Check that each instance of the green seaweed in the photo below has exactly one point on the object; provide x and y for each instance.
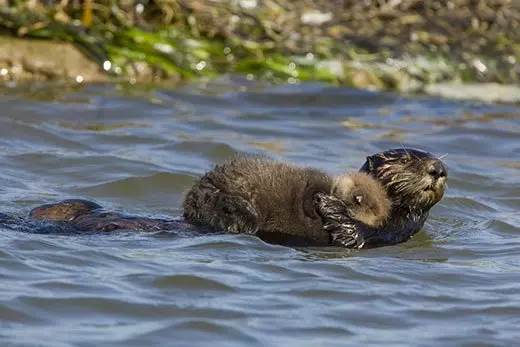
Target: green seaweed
(181, 39)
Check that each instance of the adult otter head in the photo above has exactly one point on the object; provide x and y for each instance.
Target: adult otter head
(364, 197)
(414, 180)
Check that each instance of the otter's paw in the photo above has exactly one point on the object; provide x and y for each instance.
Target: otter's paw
(344, 231)
(329, 205)
(346, 236)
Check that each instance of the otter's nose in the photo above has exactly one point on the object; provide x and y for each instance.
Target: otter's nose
(437, 170)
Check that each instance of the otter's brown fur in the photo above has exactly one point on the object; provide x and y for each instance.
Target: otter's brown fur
(275, 200)
(84, 215)
(365, 198)
(66, 210)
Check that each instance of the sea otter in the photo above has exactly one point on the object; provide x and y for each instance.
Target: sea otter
(275, 200)
(414, 182)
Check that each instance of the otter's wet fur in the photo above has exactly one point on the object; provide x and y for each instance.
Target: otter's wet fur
(275, 200)
(65, 210)
(85, 215)
(414, 181)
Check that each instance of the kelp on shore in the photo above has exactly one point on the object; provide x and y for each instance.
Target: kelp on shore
(393, 44)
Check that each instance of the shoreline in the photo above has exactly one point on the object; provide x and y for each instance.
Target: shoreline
(403, 46)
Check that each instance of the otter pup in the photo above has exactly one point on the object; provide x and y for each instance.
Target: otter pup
(415, 182)
(275, 201)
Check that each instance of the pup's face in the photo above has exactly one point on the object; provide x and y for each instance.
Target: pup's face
(365, 198)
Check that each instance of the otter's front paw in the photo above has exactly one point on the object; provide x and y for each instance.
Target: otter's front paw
(343, 229)
(329, 205)
(347, 236)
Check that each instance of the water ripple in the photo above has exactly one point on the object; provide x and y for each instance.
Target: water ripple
(137, 151)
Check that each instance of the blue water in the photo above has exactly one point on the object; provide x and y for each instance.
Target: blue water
(456, 283)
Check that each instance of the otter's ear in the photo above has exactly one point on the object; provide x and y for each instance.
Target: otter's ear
(370, 161)
(368, 166)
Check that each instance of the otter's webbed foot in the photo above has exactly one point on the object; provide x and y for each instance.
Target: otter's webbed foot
(344, 231)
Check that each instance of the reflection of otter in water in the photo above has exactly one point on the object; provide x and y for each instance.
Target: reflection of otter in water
(276, 201)
(414, 181)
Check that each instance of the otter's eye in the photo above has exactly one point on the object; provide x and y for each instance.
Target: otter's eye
(359, 199)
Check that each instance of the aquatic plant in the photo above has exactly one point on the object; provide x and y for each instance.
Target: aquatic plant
(372, 44)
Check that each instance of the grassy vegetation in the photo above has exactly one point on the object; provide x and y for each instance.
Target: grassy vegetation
(385, 44)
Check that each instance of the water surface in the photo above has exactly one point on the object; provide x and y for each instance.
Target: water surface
(456, 283)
